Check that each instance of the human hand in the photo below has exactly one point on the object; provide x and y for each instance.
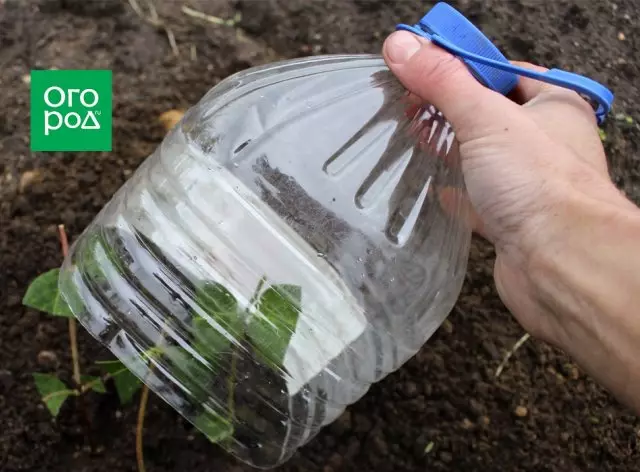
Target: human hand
(566, 239)
(519, 157)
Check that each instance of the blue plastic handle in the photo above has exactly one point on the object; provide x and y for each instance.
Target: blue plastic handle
(456, 26)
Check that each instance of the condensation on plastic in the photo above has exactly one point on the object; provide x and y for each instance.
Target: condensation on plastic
(318, 172)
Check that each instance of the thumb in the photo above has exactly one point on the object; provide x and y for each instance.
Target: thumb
(441, 79)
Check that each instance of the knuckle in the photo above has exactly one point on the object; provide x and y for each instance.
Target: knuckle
(568, 98)
(581, 104)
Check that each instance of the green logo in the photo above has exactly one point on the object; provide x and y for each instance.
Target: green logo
(71, 110)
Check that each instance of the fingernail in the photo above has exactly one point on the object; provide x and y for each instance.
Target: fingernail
(401, 46)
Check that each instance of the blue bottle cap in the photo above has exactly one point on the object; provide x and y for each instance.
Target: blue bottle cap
(448, 28)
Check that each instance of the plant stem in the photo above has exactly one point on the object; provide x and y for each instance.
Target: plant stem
(73, 342)
(144, 398)
(84, 388)
(256, 294)
(231, 384)
(231, 381)
(73, 330)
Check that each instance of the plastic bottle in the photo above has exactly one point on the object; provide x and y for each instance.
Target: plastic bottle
(286, 246)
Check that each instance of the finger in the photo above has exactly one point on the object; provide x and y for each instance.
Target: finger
(528, 89)
(564, 115)
(571, 121)
(441, 79)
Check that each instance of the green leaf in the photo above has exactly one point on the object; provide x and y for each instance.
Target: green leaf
(603, 134)
(271, 328)
(215, 298)
(53, 391)
(96, 383)
(126, 383)
(219, 304)
(192, 375)
(214, 426)
(43, 295)
(91, 254)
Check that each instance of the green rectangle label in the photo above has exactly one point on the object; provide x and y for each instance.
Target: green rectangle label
(71, 110)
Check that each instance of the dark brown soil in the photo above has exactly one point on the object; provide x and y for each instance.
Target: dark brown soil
(447, 396)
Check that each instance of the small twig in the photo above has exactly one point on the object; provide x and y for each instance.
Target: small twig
(515, 347)
(144, 398)
(73, 330)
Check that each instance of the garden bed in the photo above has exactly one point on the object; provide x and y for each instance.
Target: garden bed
(445, 409)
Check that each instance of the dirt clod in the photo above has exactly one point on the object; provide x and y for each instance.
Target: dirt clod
(170, 118)
(29, 178)
(48, 359)
(6, 380)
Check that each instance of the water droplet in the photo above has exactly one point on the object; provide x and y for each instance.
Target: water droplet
(359, 259)
(236, 165)
(321, 254)
(392, 279)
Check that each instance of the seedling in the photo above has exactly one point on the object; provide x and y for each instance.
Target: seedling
(265, 325)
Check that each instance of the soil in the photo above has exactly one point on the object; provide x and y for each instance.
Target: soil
(444, 410)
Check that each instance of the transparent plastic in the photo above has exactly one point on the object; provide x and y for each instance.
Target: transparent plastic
(300, 234)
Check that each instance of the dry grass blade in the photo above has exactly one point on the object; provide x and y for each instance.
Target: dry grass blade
(136, 8)
(153, 12)
(172, 41)
(515, 347)
(203, 16)
(154, 19)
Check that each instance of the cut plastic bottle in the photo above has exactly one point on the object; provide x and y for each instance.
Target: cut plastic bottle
(283, 249)
(300, 234)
